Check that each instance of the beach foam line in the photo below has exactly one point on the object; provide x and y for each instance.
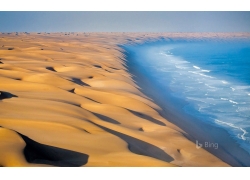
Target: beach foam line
(240, 136)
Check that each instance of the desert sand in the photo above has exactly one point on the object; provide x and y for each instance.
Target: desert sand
(67, 99)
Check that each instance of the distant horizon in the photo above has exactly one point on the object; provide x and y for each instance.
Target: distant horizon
(125, 21)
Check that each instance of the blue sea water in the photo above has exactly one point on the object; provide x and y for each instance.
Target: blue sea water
(211, 76)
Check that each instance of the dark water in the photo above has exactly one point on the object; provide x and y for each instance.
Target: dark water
(211, 76)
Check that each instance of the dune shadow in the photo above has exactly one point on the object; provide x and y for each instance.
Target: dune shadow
(105, 118)
(79, 82)
(149, 118)
(140, 147)
(38, 153)
(108, 71)
(113, 68)
(98, 66)
(6, 95)
(51, 69)
(91, 99)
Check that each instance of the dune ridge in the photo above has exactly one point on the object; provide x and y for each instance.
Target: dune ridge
(68, 100)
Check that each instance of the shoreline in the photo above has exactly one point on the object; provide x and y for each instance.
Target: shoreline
(69, 100)
(229, 150)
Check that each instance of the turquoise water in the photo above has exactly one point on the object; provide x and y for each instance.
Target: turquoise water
(211, 76)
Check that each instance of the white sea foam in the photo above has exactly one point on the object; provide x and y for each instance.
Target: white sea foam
(197, 99)
(224, 99)
(180, 67)
(165, 54)
(240, 109)
(194, 72)
(241, 136)
(196, 67)
(204, 70)
(233, 102)
(210, 86)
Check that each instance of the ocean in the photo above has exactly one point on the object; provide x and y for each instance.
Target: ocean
(210, 78)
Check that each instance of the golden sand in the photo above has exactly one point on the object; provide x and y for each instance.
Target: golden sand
(68, 100)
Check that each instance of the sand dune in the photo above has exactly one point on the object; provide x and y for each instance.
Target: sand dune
(68, 100)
